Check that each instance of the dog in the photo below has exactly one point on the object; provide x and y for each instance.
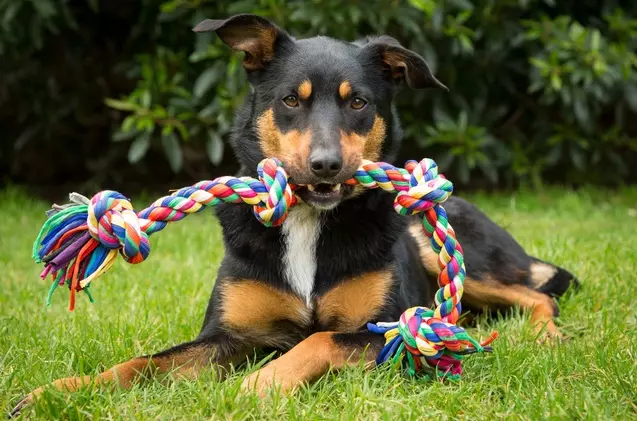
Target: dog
(343, 257)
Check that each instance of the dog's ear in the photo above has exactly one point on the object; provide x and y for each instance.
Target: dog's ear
(255, 36)
(400, 64)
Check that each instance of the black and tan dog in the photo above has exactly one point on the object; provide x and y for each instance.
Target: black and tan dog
(343, 257)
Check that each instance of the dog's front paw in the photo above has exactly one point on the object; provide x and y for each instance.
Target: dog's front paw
(259, 382)
(69, 384)
(17, 410)
(267, 378)
(547, 333)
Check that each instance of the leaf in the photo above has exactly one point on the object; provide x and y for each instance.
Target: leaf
(172, 149)
(556, 81)
(462, 4)
(580, 107)
(122, 135)
(129, 123)
(466, 43)
(208, 78)
(578, 158)
(146, 98)
(437, 19)
(119, 105)
(145, 124)
(540, 64)
(10, 12)
(209, 110)
(214, 147)
(445, 160)
(241, 6)
(489, 170)
(630, 93)
(94, 5)
(553, 156)
(139, 147)
(463, 121)
(441, 118)
(426, 6)
(169, 129)
(44, 8)
(25, 137)
(463, 171)
(430, 55)
(618, 161)
(595, 40)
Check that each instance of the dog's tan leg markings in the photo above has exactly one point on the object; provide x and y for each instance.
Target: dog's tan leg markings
(492, 294)
(355, 301)
(183, 362)
(428, 257)
(307, 361)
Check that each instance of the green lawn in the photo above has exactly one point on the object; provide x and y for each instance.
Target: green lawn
(149, 307)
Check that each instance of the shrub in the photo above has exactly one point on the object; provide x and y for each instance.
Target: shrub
(540, 91)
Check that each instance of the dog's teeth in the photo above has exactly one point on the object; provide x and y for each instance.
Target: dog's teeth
(335, 187)
(310, 187)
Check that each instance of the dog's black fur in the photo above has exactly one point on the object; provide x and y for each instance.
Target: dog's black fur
(362, 240)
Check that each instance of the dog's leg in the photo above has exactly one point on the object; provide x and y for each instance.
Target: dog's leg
(490, 294)
(184, 361)
(500, 274)
(313, 357)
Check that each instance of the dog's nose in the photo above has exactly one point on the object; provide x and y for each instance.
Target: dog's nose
(325, 165)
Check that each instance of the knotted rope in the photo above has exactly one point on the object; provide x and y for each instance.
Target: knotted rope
(81, 240)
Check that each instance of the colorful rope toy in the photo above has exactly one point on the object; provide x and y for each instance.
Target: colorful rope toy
(81, 240)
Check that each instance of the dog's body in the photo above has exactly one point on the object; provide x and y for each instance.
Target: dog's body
(343, 257)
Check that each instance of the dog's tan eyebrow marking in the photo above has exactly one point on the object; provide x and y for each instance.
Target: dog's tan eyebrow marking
(344, 89)
(305, 89)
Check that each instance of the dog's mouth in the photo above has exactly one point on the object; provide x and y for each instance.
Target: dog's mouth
(323, 196)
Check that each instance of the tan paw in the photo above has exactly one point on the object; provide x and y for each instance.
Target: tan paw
(24, 402)
(548, 333)
(261, 381)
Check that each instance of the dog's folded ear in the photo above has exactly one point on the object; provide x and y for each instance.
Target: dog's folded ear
(400, 64)
(252, 34)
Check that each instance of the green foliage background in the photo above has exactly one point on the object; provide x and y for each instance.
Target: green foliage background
(119, 92)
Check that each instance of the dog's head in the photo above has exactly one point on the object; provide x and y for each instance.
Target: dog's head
(319, 105)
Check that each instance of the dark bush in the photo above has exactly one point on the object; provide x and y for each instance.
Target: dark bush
(114, 91)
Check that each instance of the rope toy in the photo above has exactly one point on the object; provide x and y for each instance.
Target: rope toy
(80, 241)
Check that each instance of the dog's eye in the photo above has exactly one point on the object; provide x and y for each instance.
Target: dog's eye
(358, 103)
(291, 101)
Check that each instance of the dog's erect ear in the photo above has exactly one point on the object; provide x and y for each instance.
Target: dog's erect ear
(401, 64)
(252, 34)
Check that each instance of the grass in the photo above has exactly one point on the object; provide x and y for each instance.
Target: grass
(145, 308)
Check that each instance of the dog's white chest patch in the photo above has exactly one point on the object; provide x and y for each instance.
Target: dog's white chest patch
(301, 231)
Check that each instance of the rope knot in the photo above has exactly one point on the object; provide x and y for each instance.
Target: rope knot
(426, 188)
(427, 339)
(273, 210)
(113, 222)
